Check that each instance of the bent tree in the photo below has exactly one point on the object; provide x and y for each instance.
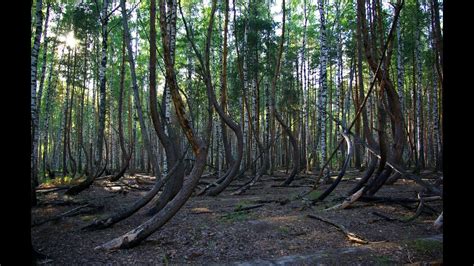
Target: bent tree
(198, 145)
(227, 178)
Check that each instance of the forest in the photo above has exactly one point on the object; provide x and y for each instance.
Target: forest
(243, 132)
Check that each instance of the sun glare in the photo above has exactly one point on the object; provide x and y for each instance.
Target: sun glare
(69, 39)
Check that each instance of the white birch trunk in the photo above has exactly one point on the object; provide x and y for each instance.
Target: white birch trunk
(323, 83)
(34, 109)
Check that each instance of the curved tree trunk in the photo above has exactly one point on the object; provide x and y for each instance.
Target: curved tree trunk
(130, 210)
(343, 169)
(204, 62)
(396, 116)
(135, 236)
(225, 139)
(368, 173)
(199, 147)
(165, 133)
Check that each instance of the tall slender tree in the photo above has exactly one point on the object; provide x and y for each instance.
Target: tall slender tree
(34, 107)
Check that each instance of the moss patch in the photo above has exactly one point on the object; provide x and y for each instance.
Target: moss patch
(425, 246)
(314, 195)
(383, 260)
(235, 217)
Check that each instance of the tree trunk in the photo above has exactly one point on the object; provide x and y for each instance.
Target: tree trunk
(305, 120)
(69, 126)
(204, 63)
(49, 98)
(41, 85)
(168, 140)
(34, 107)
(438, 39)
(323, 86)
(66, 115)
(200, 148)
(102, 108)
(385, 83)
(126, 156)
(419, 113)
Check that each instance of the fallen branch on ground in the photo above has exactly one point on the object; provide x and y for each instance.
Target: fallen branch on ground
(74, 211)
(351, 236)
(240, 208)
(438, 223)
(51, 189)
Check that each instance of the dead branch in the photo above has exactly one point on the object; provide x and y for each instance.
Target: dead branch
(385, 217)
(240, 208)
(72, 212)
(351, 236)
(51, 189)
(438, 223)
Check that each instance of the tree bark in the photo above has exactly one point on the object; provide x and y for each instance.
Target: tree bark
(169, 142)
(102, 108)
(236, 128)
(199, 147)
(126, 156)
(385, 83)
(323, 86)
(34, 108)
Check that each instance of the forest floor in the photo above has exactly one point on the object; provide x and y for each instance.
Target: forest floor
(209, 230)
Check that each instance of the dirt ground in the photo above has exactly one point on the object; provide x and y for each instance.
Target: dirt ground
(208, 230)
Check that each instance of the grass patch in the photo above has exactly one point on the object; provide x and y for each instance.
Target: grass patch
(283, 229)
(314, 195)
(62, 181)
(242, 204)
(165, 260)
(383, 260)
(425, 246)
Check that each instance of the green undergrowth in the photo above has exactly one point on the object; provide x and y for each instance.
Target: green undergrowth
(63, 180)
(425, 246)
(383, 260)
(242, 204)
(314, 195)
